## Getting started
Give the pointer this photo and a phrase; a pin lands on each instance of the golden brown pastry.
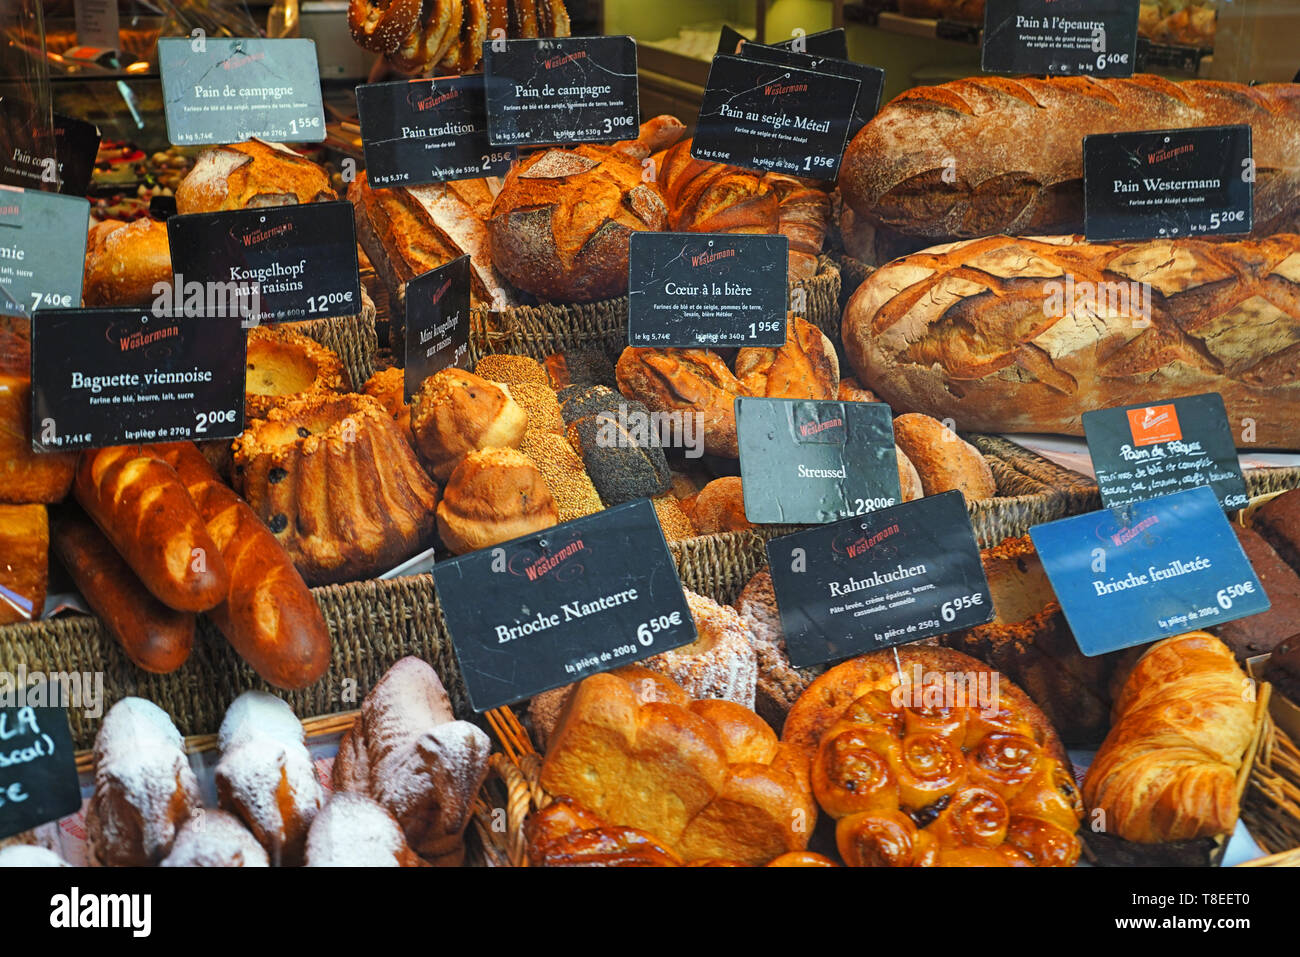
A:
(124, 261)
(283, 364)
(720, 507)
(251, 174)
(25, 476)
(806, 367)
(943, 459)
(1167, 770)
(566, 477)
(24, 562)
(909, 479)
(456, 412)
(389, 387)
(693, 381)
(494, 495)
(563, 834)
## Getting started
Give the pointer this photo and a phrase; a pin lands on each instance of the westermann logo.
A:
(75, 910)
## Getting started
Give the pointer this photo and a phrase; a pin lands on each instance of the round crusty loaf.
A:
(250, 174)
(124, 261)
(942, 459)
(720, 507)
(561, 223)
(805, 367)
(909, 480)
(494, 495)
(456, 412)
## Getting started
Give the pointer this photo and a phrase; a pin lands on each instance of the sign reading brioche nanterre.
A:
(556, 606)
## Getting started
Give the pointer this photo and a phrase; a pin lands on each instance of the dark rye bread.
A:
(1261, 633)
(1012, 150)
(621, 467)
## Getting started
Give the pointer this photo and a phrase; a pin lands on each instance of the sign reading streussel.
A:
(42, 250)
(1061, 37)
(562, 90)
(556, 606)
(227, 90)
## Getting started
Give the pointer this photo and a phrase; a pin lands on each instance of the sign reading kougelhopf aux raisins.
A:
(231, 89)
(38, 764)
(805, 462)
(775, 118)
(556, 606)
(1141, 452)
(886, 578)
(428, 131)
(688, 290)
(42, 250)
(1169, 183)
(437, 322)
(1169, 565)
(1060, 37)
(267, 264)
(561, 90)
(105, 377)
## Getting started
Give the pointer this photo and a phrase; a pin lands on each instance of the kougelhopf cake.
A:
(926, 757)
(354, 831)
(250, 174)
(266, 775)
(283, 364)
(779, 683)
(144, 787)
(456, 412)
(493, 496)
(215, 839)
(335, 481)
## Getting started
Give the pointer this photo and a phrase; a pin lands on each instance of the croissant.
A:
(1168, 769)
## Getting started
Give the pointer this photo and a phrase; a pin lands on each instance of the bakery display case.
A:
(265, 621)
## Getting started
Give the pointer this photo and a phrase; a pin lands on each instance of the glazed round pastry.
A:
(389, 388)
(623, 464)
(266, 776)
(806, 367)
(779, 683)
(282, 364)
(352, 830)
(720, 663)
(942, 459)
(494, 495)
(909, 480)
(720, 507)
(250, 174)
(338, 485)
(124, 261)
(961, 768)
(511, 370)
(456, 412)
(575, 496)
(215, 839)
(694, 381)
(144, 787)
(561, 223)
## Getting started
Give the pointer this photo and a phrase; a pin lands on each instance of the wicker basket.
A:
(352, 339)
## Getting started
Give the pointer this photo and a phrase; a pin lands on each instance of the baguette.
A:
(981, 331)
(269, 617)
(142, 507)
(1012, 148)
(155, 637)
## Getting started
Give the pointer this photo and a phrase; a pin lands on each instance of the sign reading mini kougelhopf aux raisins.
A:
(437, 322)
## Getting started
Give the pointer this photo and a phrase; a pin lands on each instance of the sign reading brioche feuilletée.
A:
(38, 766)
(886, 578)
(42, 250)
(805, 462)
(556, 606)
(1169, 565)
(1169, 183)
(428, 131)
(561, 90)
(1141, 452)
(231, 89)
(1060, 37)
(105, 377)
(437, 322)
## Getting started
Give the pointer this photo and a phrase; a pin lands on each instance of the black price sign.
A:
(1169, 183)
(886, 578)
(564, 90)
(267, 264)
(1061, 37)
(690, 290)
(775, 118)
(437, 322)
(38, 767)
(42, 250)
(428, 131)
(231, 89)
(1141, 452)
(871, 78)
(806, 462)
(63, 162)
(105, 377)
(552, 608)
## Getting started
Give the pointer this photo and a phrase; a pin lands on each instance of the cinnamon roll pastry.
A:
(882, 839)
(973, 817)
(927, 768)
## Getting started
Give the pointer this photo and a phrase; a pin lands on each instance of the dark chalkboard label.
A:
(871, 78)
(886, 578)
(565, 90)
(691, 290)
(63, 162)
(105, 377)
(437, 322)
(428, 131)
(1140, 452)
(38, 765)
(42, 250)
(1169, 183)
(1061, 37)
(230, 89)
(552, 608)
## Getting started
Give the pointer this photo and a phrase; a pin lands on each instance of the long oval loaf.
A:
(144, 510)
(1025, 335)
(996, 155)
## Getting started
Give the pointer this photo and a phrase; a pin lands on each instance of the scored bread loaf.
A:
(251, 174)
(124, 261)
(1012, 150)
(1025, 335)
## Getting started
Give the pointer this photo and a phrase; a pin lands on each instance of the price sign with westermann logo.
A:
(437, 322)
(42, 250)
(556, 606)
(1061, 37)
